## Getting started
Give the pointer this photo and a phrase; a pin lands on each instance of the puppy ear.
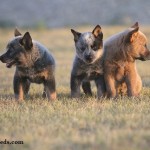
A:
(16, 32)
(26, 41)
(132, 35)
(97, 31)
(76, 35)
(135, 25)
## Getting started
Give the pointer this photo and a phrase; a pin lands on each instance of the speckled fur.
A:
(87, 64)
(34, 64)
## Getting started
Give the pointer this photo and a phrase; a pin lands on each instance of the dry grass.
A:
(68, 124)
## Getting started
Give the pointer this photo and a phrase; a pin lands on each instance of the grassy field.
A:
(86, 123)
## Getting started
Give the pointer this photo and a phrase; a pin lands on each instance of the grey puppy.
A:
(33, 63)
(87, 64)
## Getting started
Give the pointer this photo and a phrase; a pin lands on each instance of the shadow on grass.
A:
(64, 97)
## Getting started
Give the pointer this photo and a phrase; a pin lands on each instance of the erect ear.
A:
(26, 41)
(132, 35)
(16, 32)
(135, 25)
(97, 31)
(76, 35)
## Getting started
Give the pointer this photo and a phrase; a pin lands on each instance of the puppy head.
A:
(89, 44)
(17, 49)
(137, 43)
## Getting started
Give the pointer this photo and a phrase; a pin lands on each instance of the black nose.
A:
(88, 57)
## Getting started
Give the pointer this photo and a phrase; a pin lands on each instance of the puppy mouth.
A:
(141, 58)
(89, 61)
(10, 64)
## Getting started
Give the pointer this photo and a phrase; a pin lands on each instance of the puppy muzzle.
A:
(2, 58)
(88, 58)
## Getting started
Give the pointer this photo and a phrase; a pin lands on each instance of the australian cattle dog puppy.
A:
(34, 64)
(120, 53)
(87, 64)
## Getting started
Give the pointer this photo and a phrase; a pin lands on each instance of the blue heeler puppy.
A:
(87, 64)
(34, 64)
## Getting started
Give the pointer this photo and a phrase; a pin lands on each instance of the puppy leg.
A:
(44, 93)
(75, 86)
(131, 82)
(86, 86)
(18, 88)
(101, 87)
(26, 86)
(110, 86)
(139, 84)
(50, 88)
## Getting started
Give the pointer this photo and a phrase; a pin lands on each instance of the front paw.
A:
(75, 95)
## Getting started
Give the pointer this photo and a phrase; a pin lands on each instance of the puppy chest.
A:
(34, 76)
(92, 74)
(120, 74)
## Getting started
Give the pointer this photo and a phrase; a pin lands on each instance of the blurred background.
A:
(66, 13)
(123, 124)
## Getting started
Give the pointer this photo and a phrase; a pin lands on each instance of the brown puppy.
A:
(120, 52)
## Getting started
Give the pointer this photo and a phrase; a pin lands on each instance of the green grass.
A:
(86, 123)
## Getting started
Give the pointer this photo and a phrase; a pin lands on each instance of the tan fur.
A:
(122, 87)
(52, 96)
(120, 52)
(20, 95)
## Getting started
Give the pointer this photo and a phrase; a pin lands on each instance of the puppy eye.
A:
(94, 47)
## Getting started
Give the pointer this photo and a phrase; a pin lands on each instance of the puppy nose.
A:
(88, 56)
(2, 58)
